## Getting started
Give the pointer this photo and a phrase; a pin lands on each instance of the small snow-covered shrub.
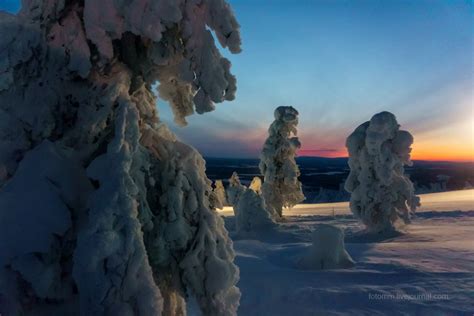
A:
(251, 214)
(281, 187)
(327, 250)
(256, 185)
(219, 194)
(381, 194)
(235, 189)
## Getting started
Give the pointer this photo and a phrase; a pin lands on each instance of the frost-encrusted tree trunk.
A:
(102, 210)
(381, 193)
(281, 187)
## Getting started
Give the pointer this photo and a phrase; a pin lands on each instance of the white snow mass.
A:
(251, 215)
(220, 194)
(381, 194)
(327, 250)
(235, 189)
(281, 187)
(102, 210)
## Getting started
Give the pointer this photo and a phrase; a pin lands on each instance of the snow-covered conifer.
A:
(256, 185)
(251, 214)
(220, 195)
(281, 187)
(235, 189)
(381, 193)
(113, 210)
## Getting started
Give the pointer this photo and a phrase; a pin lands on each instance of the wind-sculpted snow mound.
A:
(119, 207)
(381, 194)
(327, 250)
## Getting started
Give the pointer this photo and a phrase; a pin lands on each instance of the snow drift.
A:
(381, 194)
(327, 251)
(102, 210)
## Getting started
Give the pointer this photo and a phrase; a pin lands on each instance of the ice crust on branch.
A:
(327, 251)
(281, 187)
(381, 194)
(114, 211)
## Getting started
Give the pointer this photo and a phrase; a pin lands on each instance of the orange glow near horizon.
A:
(443, 152)
(452, 142)
(428, 155)
(449, 143)
(322, 153)
(431, 151)
(441, 156)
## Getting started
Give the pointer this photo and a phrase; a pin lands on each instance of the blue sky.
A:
(339, 62)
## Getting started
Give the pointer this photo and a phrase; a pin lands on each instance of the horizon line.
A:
(343, 157)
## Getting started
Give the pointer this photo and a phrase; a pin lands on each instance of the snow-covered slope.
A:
(453, 200)
(429, 270)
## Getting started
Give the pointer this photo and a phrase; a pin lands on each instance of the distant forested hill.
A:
(322, 177)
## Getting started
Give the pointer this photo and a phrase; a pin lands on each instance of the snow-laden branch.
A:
(125, 224)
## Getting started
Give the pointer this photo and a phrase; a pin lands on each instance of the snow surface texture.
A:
(382, 195)
(327, 251)
(102, 210)
(426, 271)
(281, 187)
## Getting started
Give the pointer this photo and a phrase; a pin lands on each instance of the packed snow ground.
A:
(429, 270)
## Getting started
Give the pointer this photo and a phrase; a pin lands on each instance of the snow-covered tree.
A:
(102, 210)
(235, 189)
(220, 195)
(381, 193)
(281, 187)
(251, 215)
(327, 251)
(256, 185)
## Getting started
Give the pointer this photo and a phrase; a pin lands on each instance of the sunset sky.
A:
(338, 63)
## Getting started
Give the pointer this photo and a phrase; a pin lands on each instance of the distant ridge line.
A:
(338, 159)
